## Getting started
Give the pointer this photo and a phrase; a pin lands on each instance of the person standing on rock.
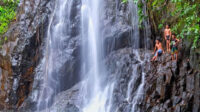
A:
(158, 50)
(167, 35)
(174, 46)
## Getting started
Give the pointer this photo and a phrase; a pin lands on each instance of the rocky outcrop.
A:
(117, 28)
(68, 101)
(60, 68)
(123, 66)
(20, 55)
(120, 28)
(171, 86)
(25, 46)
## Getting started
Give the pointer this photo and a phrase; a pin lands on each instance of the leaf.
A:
(5, 38)
(160, 26)
(124, 1)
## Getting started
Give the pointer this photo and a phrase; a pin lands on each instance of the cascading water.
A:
(97, 91)
(96, 94)
(90, 41)
(54, 55)
(134, 23)
(101, 99)
(147, 28)
(139, 93)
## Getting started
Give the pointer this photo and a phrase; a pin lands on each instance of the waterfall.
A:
(96, 94)
(134, 23)
(54, 56)
(147, 28)
(139, 93)
(100, 99)
(91, 41)
(96, 88)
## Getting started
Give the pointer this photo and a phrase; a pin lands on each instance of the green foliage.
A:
(140, 12)
(182, 15)
(7, 14)
(160, 26)
(188, 22)
(124, 1)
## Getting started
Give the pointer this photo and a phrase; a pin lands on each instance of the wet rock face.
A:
(171, 86)
(26, 44)
(118, 29)
(66, 61)
(116, 26)
(125, 67)
(5, 80)
(22, 52)
(68, 101)
(70, 70)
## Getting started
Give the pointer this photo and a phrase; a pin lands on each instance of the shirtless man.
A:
(158, 50)
(167, 35)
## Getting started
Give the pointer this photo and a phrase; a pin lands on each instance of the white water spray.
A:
(96, 93)
(54, 55)
(134, 23)
(139, 93)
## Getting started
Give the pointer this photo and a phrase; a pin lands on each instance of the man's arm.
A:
(154, 49)
(170, 33)
(177, 40)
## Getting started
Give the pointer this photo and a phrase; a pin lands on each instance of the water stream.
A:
(54, 55)
(139, 93)
(134, 23)
(97, 92)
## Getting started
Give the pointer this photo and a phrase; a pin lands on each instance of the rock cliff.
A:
(171, 86)
(21, 54)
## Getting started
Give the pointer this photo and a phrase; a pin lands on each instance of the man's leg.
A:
(156, 55)
(154, 58)
(172, 53)
(168, 46)
(172, 56)
(176, 56)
